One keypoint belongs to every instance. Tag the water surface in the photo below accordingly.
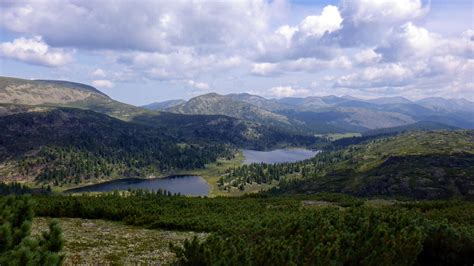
(185, 185)
(277, 156)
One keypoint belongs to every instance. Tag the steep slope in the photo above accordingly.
(215, 104)
(163, 105)
(71, 145)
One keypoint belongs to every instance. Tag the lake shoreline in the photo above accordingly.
(176, 184)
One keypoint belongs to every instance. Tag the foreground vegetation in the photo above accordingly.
(92, 242)
(315, 229)
(17, 246)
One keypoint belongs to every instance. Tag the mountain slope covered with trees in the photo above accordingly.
(71, 145)
(437, 164)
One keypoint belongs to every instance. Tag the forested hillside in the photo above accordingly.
(414, 164)
(71, 145)
(224, 129)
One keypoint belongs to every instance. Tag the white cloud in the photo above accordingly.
(149, 25)
(303, 40)
(182, 64)
(362, 45)
(393, 75)
(198, 85)
(329, 21)
(288, 91)
(265, 69)
(103, 83)
(34, 51)
(407, 41)
(367, 56)
(310, 65)
(382, 10)
(287, 32)
(99, 73)
(368, 22)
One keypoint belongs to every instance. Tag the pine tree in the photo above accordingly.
(17, 247)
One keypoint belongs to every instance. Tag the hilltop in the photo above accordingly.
(215, 104)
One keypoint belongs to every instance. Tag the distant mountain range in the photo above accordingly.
(19, 96)
(329, 113)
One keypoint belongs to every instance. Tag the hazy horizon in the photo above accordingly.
(152, 51)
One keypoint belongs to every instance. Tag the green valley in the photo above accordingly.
(397, 191)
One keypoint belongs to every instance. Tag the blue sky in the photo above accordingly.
(145, 51)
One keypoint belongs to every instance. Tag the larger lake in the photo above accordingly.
(185, 185)
(277, 156)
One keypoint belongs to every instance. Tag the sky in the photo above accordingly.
(140, 52)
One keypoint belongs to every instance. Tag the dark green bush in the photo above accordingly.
(17, 247)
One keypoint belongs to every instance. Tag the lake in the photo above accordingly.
(185, 185)
(277, 156)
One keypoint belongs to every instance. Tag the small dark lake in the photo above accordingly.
(186, 185)
(277, 156)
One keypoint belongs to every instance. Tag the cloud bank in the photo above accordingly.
(364, 46)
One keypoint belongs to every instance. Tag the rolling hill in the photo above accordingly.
(215, 104)
(438, 164)
(414, 164)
